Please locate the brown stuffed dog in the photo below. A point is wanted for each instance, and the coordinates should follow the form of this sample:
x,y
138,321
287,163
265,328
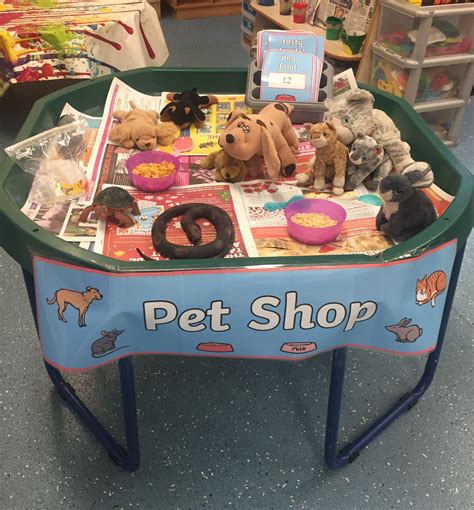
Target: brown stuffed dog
x,y
227,168
269,134
141,129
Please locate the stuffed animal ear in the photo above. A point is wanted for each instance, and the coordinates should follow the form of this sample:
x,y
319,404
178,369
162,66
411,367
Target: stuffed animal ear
x,y
120,114
166,133
360,95
166,113
207,100
122,135
308,126
233,116
415,176
152,114
173,96
270,155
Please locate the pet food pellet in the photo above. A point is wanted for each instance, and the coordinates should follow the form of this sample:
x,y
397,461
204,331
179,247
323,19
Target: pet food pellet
x,y
313,220
154,170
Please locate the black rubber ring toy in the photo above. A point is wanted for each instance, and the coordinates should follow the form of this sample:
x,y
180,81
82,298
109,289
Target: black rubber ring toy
x,y
220,247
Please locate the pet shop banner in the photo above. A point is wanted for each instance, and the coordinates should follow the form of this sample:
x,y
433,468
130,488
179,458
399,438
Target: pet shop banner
x,y
88,318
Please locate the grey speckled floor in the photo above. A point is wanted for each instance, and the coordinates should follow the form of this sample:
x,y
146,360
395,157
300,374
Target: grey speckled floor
x,y
238,434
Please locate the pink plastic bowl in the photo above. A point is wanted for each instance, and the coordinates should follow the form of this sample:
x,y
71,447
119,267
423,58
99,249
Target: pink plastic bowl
x,y
309,235
151,183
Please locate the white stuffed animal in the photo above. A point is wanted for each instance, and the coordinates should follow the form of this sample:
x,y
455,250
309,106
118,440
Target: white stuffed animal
x,y
356,114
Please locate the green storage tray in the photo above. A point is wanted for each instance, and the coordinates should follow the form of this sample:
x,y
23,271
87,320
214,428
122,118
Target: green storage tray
x,y
22,238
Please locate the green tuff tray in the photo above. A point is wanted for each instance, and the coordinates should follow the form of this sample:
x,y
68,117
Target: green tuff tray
x,y
21,238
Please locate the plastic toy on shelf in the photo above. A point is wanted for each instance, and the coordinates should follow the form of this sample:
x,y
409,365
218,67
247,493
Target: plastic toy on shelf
x,y
444,38
389,78
434,83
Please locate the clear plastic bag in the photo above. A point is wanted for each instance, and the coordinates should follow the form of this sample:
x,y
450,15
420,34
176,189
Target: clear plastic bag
x,y
54,157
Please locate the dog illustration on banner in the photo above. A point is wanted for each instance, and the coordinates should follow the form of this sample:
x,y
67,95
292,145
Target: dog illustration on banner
x,y
105,345
429,287
78,300
405,332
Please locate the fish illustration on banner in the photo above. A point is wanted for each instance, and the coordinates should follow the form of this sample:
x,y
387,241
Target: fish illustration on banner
x,y
286,313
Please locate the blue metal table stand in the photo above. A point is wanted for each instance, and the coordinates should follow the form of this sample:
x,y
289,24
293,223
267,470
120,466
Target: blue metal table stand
x,y
129,458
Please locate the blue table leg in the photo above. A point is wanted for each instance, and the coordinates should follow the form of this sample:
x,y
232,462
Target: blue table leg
x,y
348,453
127,459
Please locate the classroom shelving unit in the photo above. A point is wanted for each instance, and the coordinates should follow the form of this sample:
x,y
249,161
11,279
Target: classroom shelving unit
x,y
257,17
426,56
247,25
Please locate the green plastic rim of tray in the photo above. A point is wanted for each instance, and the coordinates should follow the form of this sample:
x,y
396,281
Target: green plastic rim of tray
x,y
22,238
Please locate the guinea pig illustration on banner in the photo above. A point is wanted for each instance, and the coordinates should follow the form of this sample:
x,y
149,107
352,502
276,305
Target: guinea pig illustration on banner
x,y
269,134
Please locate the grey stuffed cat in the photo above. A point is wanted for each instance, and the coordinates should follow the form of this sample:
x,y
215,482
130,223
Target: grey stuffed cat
x,y
356,114
405,211
367,160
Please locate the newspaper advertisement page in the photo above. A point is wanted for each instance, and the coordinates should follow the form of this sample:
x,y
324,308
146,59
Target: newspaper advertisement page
x,y
106,154
355,13
269,227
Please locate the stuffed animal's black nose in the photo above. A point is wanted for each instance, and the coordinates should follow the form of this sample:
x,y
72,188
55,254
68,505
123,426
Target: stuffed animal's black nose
x,y
148,144
230,138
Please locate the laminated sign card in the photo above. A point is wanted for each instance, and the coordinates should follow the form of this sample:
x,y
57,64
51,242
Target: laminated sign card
x,y
292,41
288,76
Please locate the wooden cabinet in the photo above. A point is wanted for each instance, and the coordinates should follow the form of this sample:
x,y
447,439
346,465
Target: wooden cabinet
x,y
156,4
188,9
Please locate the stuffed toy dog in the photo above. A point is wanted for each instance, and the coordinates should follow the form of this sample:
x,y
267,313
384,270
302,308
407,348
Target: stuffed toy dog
x,y
227,168
141,129
330,159
356,114
185,109
269,134
367,161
